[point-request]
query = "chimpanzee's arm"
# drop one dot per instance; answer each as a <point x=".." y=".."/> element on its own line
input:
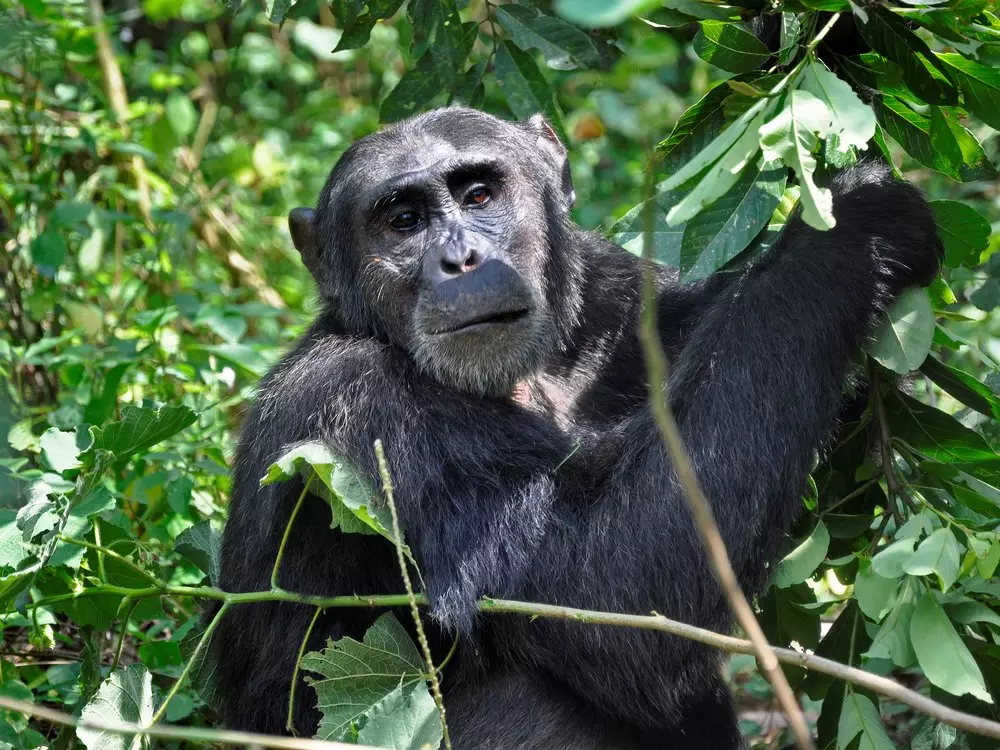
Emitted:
<point x="755" y="390"/>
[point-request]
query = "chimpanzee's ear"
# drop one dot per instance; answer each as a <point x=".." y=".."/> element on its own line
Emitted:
<point x="549" y="144"/>
<point x="300" y="224"/>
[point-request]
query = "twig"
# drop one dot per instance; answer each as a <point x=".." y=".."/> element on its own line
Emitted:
<point x="885" y="444"/>
<point x="701" y="510"/>
<point x="189" y="734"/>
<point x="853" y="675"/>
<point x="290" y="721"/>
<point x="121" y="636"/>
<point x="288" y="533"/>
<point x="205" y="638"/>
<point x="105" y="551"/>
<point x="397" y="535"/>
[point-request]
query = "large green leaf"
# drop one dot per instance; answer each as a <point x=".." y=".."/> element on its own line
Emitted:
<point x="724" y="229"/>
<point x="730" y="46"/>
<point x="139" y="429"/>
<point x="945" y="659"/>
<point x="598" y="13"/>
<point x="416" y="90"/>
<point x="859" y="716"/>
<point x="889" y="35"/>
<point x="940" y="555"/>
<point x="374" y="690"/>
<point x="356" y="507"/>
<point x="965" y="232"/>
<point x="201" y="544"/>
<point x="962" y="386"/>
<point x="126" y="696"/>
<point x="802" y="561"/>
<point x="912" y="131"/>
<point x="697" y="127"/>
<point x="563" y="45"/>
<point x="524" y="87"/>
<point x="792" y="136"/>
<point x="980" y="86"/>
<point x="907" y="329"/>
<point x="933" y="433"/>
<point x="853" y="120"/>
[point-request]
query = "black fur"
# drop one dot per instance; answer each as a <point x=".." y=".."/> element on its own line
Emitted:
<point x="556" y="490"/>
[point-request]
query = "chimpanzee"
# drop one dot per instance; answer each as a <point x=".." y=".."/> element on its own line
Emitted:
<point x="492" y="346"/>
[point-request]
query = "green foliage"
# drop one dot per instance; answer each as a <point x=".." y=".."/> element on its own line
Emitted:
<point x="147" y="282"/>
<point x="374" y="692"/>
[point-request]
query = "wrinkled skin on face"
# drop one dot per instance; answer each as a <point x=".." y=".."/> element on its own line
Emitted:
<point x="437" y="236"/>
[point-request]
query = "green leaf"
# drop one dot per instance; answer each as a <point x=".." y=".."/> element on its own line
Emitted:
<point x="876" y="595"/>
<point x="859" y="716"/>
<point x="962" y="386"/>
<point x="181" y="114"/>
<point x="888" y="563"/>
<point x="356" y="24"/>
<point x="276" y="10"/>
<point x="904" y="338"/>
<point x="416" y="90"/>
<point x="524" y="87"/>
<point x="889" y="35"/>
<point x="362" y="684"/>
<point x="601" y="13"/>
<point x="940" y="554"/>
<point x="355" y="505"/>
<point x="802" y="562"/>
<point x="980" y="86"/>
<point x="11" y="550"/>
<point x="965" y="232"/>
<point x="563" y="45"/>
<point x="59" y="449"/>
<point x="139" y="429"/>
<point x="730" y="46"/>
<point x="853" y="120"/>
<point x="201" y="545"/>
<point x="702" y="122"/>
<point x="791" y="32"/>
<point x="48" y="251"/>
<point x="126" y="696"/>
<point x="893" y="638"/>
<point x="945" y="659"/>
<point x="911" y="130"/>
<point x="933" y="433"/>
<point x="792" y="136"/>
<point x="723" y="230"/>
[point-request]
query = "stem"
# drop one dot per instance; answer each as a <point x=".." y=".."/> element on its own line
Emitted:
<point x="205" y="638"/>
<point x="121" y="636"/>
<point x="290" y="721"/>
<point x="853" y="675"/>
<point x="885" y="443"/>
<point x="115" y="556"/>
<point x="701" y="510"/>
<point x="397" y="535"/>
<point x="185" y="734"/>
<point x="100" y="552"/>
<point x="288" y="533"/>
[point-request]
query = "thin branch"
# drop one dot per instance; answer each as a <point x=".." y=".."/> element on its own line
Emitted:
<point x="121" y="636"/>
<point x="105" y="551"/>
<point x="853" y="675"/>
<point x="290" y="721"/>
<point x="205" y="638"/>
<point x="397" y="535"/>
<point x="701" y="509"/>
<point x="288" y="533"/>
<point x="885" y="445"/>
<point x="188" y="734"/>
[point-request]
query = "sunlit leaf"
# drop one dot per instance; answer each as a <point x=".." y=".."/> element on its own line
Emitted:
<point x="945" y="659"/>
<point x="907" y="329"/>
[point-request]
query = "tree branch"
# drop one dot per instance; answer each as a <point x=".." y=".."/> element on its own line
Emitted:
<point x="701" y="509"/>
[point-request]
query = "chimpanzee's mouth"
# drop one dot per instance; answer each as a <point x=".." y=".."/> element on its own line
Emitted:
<point x="488" y="320"/>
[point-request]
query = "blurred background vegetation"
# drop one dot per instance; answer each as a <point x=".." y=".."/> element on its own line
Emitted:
<point x="150" y="151"/>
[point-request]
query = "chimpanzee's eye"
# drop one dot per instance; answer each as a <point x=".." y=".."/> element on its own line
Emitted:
<point x="478" y="196"/>
<point x="405" y="221"/>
